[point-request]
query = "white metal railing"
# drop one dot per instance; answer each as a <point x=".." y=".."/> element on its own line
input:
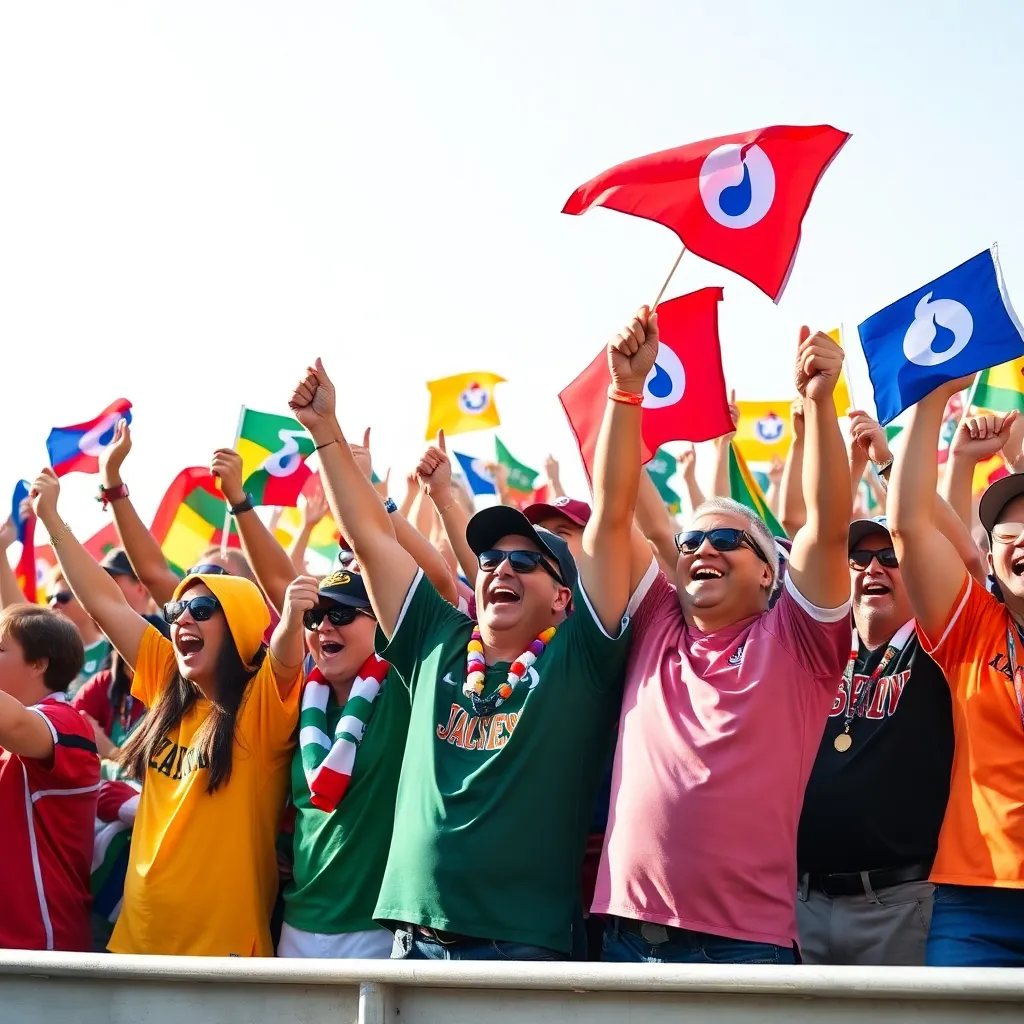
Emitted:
<point x="104" y="989"/>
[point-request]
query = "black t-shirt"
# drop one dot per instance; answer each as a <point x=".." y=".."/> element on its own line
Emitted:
<point x="880" y="804"/>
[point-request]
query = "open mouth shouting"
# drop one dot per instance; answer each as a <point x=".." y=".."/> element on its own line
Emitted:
<point x="702" y="571"/>
<point x="503" y="593"/>
<point x="1017" y="565"/>
<point x="188" y="643"/>
<point x="331" y="649"/>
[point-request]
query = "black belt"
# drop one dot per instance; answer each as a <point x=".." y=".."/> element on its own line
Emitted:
<point x="851" y="883"/>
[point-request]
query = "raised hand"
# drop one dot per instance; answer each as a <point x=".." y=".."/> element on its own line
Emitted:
<point x="361" y="453"/>
<point x="226" y="466"/>
<point x="314" y="506"/>
<point x="632" y="353"/>
<point x="796" y="417"/>
<point x="775" y="468"/>
<point x="112" y="457"/>
<point x="551" y="469"/>
<point x="44" y="493"/>
<point x="688" y="463"/>
<point x="867" y="434"/>
<point x="980" y="437"/>
<point x="302" y="594"/>
<point x="313" y="398"/>
<point x="8" y="534"/>
<point x="819" y="363"/>
<point x="434" y="472"/>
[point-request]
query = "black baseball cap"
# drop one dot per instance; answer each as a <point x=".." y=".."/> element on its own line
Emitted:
<point x="997" y="496"/>
<point x="345" y="588"/>
<point x="115" y="561"/>
<point x="489" y="525"/>
<point x="861" y="528"/>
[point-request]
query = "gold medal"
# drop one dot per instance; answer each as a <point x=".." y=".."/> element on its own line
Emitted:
<point x="843" y="742"/>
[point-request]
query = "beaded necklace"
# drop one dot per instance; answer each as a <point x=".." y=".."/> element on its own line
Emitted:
<point x="476" y="667"/>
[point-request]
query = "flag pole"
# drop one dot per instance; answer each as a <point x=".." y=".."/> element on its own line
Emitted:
<point x="845" y="372"/>
<point x="227" y="504"/>
<point x="969" y="400"/>
<point x="654" y="304"/>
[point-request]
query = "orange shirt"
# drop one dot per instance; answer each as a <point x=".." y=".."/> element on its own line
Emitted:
<point x="982" y="837"/>
<point x="202" y="871"/>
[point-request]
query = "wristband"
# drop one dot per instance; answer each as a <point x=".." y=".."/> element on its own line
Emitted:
<point x="61" y="534"/>
<point x="390" y="506"/>
<point x="883" y="467"/>
<point x="317" y="447"/>
<point x="625" y="397"/>
<point x="245" y="505"/>
<point x="109" y="494"/>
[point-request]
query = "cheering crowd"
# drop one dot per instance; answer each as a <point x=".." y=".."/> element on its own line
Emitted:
<point x="581" y="730"/>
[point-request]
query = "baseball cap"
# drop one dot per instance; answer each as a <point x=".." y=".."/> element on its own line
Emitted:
<point x="115" y="561"/>
<point x="997" y="496"/>
<point x="489" y="525"/>
<point x="575" y="511"/>
<point x="861" y="528"/>
<point x="345" y="588"/>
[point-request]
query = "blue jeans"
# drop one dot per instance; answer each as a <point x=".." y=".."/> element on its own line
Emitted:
<point x="686" y="947"/>
<point x="976" y="926"/>
<point x="412" y="945"/>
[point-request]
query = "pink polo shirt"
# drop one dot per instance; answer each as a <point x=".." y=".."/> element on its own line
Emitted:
<point x="716" y="742"/>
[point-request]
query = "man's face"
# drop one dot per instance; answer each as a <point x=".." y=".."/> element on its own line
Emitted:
<point x="878" y="591"/>
<point x="63" y="602"/>
<point x="570" y="532"/>
<point x="134" y="592"/>
<point x="1007" y="555"/>
<point x="507" y="600"/>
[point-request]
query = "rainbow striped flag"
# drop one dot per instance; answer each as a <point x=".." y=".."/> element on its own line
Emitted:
<point x="324" y="539"/>
<point x="744" y="489"/>
<point x="1000" y="388"/>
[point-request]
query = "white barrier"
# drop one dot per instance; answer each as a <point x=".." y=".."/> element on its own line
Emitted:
<point x="101" y="989"/>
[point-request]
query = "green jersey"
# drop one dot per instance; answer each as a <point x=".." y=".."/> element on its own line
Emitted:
<point x="340" y="854"/>
<point x="97" y="658"/>
<point x="492" y="812"/>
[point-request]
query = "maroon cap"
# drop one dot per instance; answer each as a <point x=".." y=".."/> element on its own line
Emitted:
<point x="577" y="512"/>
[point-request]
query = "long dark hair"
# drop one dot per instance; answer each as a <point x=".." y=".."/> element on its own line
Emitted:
<point x="214" y="741"/>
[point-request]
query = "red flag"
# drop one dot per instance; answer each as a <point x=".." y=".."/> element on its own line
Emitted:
<point x="684" y="395"/>
<point x="25" y="570"/>
<point x="737" y="200"/>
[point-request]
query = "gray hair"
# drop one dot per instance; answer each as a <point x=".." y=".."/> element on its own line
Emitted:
<point x="759" y="532"/>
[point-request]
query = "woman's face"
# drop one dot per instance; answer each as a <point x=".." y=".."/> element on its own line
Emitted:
<point x="339" y="651"/>
<point x="197" y="645"/>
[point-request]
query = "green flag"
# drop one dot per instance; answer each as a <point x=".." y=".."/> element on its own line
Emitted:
<point x="520" y="477"/>
<point x="744" y="489"/>
<point x="660" y="468"/>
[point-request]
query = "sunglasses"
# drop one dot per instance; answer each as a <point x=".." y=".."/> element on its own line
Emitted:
<point x="722" y="538"/>
<point x="205" y="569"/>
<point x="61" y="597"/>
<point x="860" y="560"/>
<point x="200" y="608"/>
<point x="1007" y="533"/>
<point x="336" y="615"/>
<point x="522" y="563"/>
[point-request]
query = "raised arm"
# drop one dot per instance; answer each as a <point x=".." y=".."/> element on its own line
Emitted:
<point x="792" y="507"/>
<point x="387" y="567"/>
<point x="551" y="470"/>
<point x="96" y="591"/>
<point x="965" y="452"/>
<point x="931" y="567"/>
<point x="288" y="643"/>
<point x="818" y="563"/>
<point x="688" y="469"/>
<point x="772" y="495"/>
<point x="606" y="562"/>
<point x="435" y="473"/>
<point x="273" y="569"/>
<point x="314" y="508"/>
<point x="720" y="487"/>
<point x="10" y="592"/>
<point x="139" y="544"/>
<point x="656" y="525"/>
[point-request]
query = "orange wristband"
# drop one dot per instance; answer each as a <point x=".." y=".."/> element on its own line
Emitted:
<point x="625" y="397"/>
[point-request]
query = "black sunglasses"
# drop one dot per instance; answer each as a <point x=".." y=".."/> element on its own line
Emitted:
<point x="336" y="615"/>
<point x="206" y="569"/>
<point x="861" y="559"/>
<point x="201" y="608"/>
<point x="61" y="597"/>
<point x="522" y="562"/>
<point x="722" y="538"/>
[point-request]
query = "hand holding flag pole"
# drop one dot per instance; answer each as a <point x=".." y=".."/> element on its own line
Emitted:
<point x="226" y="531"/>
<point x="654" y="304"/>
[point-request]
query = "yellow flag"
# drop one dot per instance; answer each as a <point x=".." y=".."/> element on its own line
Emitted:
<point x="841" y="395"/>
<point x="462" y="403"/>
<point x="764" y="430"/>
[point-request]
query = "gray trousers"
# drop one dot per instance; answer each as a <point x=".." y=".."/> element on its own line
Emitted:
<point x="884" y="928"/>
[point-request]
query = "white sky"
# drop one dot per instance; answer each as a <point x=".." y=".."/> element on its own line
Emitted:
<point x="197" y="197"/>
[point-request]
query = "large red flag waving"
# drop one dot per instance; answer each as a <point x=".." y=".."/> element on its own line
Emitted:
<point x="684" y="394"/>
<point x="737" y="200"/>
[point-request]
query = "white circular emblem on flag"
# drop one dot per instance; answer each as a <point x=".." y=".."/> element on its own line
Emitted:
<point x="474" y="400"/>
<point x="480" y="468"/>
<point x="737" y="191"/>
<point x="666" y="382"/>
<point x="93" y="441"/>
<point x="944" y="320"/>
<point x="769" y="428"/>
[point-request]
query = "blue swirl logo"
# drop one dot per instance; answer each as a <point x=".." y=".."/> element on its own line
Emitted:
<point x="737" y="187"/>
<point x="941" y="330"/>
<point x="666" y="382"/>
<point x="474" y="400"/>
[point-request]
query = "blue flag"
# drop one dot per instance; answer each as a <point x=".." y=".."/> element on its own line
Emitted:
<point x="959" y="324"/>
<point x="475" y="472"/>
<point x="21" y="489"/>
